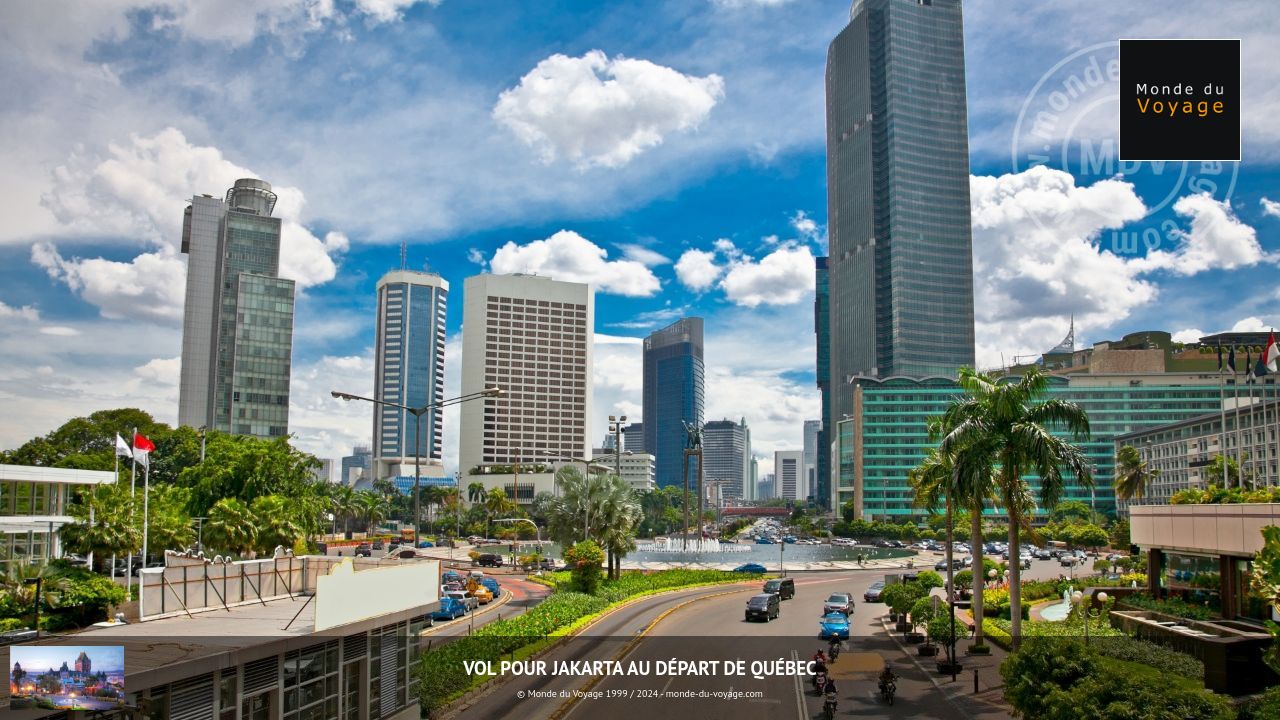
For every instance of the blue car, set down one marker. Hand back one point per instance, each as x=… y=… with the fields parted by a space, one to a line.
x=833 y=625
x=426 y=544
x=451 y=576
x=751 y=568
x=762 y=540
x=492 y=585
x=790 y=539
x=449 y=609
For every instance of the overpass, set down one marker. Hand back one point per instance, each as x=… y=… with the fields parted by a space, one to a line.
x=754 y=512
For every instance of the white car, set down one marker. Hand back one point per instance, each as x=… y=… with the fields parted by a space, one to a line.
x=469 y=601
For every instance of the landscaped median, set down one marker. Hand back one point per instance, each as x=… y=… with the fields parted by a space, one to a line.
x=442 y=676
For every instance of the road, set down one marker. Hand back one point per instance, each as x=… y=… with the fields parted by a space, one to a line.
x=708 y=624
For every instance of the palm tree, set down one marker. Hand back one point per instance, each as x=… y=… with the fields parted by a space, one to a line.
x=276 y=523
x=373 y=508
x=112 y=531
x=496 y=504
x=1006 y=427
x=342 y=503
x=476 y=493
x=231 y=526
x=620 y=515
x=1132 y=473
x=934 y=481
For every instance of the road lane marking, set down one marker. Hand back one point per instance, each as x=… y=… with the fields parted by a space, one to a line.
x=800 y=713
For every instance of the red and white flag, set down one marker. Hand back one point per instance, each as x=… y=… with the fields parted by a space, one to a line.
x=142 y=448
x=1270 y=353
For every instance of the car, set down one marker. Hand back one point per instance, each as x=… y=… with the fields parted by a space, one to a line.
x=450 y=609
x=480 y=593
x=764 y=605
x=451 y=576
x=1025 y=562
x=883 y=544
x=364 y=550
x=1068 y=560
x=956 y=564
x=1043 y=554
x=451 y=587
x=874 y=593
x=762 y=540
x=833 y=625
x=377 y=545
x=784 y=587
x=465 y=598
x=75 y=559
x=489 y=560
x=838 y=602
x=492 y=586
x=547 y=564
x=137 y=567
x=426 y=544
x=756 y=568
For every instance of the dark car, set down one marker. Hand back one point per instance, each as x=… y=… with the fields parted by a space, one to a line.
x=364 y=550
x=765 y=606
x=874 y=592
x=547 y=564
x=489 y=560
x=756 y=568
x=785 y=588
x=956 y=564
x=838 y=602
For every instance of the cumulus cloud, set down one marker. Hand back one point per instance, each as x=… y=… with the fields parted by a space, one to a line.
x=782 y=277
x=1249 y=324
x=59 y=331
x=384 y=11
x=26 y=312
x=644 y=255
x=596 y=111
x=1270 y=207
x=138 y=191
x=475 y=256
x=807 y=228
x=697 y=270
x=162 y=371
x=1189 y=335
x=1217 y=240
x=567 y=255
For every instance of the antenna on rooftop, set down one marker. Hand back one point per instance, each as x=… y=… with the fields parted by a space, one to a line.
x=404 y=254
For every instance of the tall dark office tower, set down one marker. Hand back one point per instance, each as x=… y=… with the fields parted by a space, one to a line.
x=726 y=445
x=673 y=379
x=901 y=263
x=822 y=328
x=237 y=324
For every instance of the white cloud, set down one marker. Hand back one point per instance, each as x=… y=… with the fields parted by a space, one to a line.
x=1217 y=240
x=782 y=277
x=161 y=371
x=1250 y=324
x=807 y=228
x=567 y=255
x=150 y=287
x=1270 y=207
x=697 y=270
x=1189 y=335
x=384 y=11
x=59 y=330
x=26 y=312
x=653 y=319
x=138 y=192
x=321 y=424
x=595 y=111
x=1038 y=260
x=475 y=256
x=645 y=256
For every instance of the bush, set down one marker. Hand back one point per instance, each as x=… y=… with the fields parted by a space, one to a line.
x=10 y=624
x=1171 y=606
x=1264 y=707
x=1148 y=653
x=901 y=596
x=1109 y=695
x=584 y=561
x=921 y=612
x=996 y=603
x=929 y=579
x=1042 y=666
x=940 y=628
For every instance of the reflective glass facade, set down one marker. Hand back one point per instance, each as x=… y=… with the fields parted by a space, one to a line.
x=900 y=264
x=893 y=414
x=409 y=367
x=673 y=395
x=822 y=328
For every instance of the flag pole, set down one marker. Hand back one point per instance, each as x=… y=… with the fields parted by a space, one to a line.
x=1222 y=420
x=133 y=487
x=146 y=516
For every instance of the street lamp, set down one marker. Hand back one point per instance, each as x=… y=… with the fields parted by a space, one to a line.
x=536 y=529
x=586 y=485
x=615 y=427
x=1087 y=611
x=417 y=435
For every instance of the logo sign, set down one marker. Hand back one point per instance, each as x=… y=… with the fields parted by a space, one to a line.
x=1180 y=100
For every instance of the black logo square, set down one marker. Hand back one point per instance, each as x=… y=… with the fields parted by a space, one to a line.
x=1180 y=100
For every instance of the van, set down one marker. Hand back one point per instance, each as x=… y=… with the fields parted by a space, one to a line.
x=765 y=606
x=784 y=588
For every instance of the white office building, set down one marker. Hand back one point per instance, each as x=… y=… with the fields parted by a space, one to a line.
x=639 y=470
x=33 y=507
x=531 y=337
x=788 y=471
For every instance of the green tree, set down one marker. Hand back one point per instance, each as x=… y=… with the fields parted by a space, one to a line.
x=619 y=517
x=342 y=503
x=1118 y=534
x=1132 y=474
x=169 y=526
x=1008 y=427
x=476 y=493
x=1043 y=665
x=1088 y=535
x=112 y=531
x=275 y=519
x=373 y=508
x=231 y=527
x=1071 y=511
x=1265 y=584
x=1214 y=471
x=584 y=561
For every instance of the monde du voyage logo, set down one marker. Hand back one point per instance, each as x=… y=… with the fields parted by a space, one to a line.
x=1180 y=100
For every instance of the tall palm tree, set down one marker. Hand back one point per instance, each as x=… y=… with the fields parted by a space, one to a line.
x=620 y=515
x=231 y=526
x=1132 y=474
x=342 y=503
x=373 y=508
x=1007 y=427
x=934 y=482
x=476 y=493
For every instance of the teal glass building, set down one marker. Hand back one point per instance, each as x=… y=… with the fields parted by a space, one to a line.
x=673 y=394
x=822 y=329
x=886 y=437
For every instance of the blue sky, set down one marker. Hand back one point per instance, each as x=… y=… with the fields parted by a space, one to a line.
x=671 y=153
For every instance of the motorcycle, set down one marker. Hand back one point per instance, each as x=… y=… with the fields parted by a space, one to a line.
x=819 y=680
x=887 y=689
x=834 y=650
x=829 y=707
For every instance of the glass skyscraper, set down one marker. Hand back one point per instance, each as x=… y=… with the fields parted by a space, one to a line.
x=409 y=364
x=822 y=328
x=673 y=394
x=237 y=332
x=726 y=445
x=900 y=266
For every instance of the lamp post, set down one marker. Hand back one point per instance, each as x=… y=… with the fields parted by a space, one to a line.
x=1087 y=611
x=417 y=450
x=615 y=427
x=586 y=486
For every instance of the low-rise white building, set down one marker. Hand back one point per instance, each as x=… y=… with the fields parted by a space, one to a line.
x=638 y=469
x=33 y=506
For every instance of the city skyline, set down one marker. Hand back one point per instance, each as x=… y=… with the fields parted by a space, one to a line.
x=105 y=658
x=706 y=199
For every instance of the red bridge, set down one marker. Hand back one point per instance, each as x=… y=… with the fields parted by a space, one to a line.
x=755 y=511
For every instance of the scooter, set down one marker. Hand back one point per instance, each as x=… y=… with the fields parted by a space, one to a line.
x=829 y=707
x=834 y=650
x=819 y=680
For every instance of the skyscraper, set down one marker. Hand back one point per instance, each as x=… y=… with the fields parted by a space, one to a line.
x=356 y=465
x=900 y=266
x=673 y=395
x=811 y=430
x=633 y=437
x=531 y=337
x=726 y=446
x=409 y=366
x=237 y=325
x=788 y=467
x=822 y=328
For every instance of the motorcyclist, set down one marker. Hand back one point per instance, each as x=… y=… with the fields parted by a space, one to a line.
x=887 y=676
x=828 y=687
x=833 y=647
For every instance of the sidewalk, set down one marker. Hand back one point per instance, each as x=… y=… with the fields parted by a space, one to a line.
x=988 y=703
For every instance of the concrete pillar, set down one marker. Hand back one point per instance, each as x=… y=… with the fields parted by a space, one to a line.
x=1155 y=568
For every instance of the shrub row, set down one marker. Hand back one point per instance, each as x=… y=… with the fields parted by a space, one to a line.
x=1170 y=606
